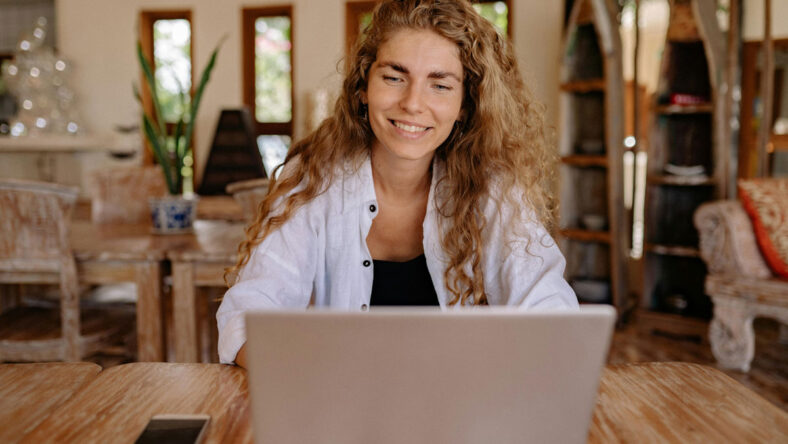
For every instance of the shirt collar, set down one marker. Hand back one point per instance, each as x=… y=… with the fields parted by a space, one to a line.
x=358 y=189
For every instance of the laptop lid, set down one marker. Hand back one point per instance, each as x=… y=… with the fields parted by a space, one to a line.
x=425 y=375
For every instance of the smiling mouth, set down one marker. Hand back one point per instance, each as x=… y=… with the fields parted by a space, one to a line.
x=409 y=128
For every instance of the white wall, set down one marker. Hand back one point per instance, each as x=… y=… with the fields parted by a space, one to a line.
x=99 y=37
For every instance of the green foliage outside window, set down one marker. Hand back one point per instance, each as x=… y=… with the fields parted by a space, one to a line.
x=363 y=21
x=273 y=83
x=496 y=12
x=172 y=61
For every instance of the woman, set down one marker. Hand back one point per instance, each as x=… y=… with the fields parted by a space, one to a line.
x=434 y=168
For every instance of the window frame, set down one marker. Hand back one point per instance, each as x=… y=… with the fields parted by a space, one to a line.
x=147 y=18
x=354 y=8
x=248 y=17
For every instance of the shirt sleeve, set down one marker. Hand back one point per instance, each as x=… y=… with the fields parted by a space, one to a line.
x=524 y=265
x=280 y=274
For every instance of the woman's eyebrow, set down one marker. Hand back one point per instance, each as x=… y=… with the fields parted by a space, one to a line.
x=432 y=75
x=395 y=66
x=443 y=75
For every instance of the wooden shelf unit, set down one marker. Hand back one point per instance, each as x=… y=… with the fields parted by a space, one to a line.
x=691 y=136
x=591 y=147
x=685 y=109
x=686 y=181
x=673 y=250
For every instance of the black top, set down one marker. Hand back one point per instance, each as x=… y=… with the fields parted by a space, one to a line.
x=402 y=283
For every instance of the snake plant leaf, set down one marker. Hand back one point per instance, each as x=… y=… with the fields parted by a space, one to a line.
x=150 y=80
x=160 y=152
x=169 y=149
x=194 y=106
x=136 y=91
x=180 y=149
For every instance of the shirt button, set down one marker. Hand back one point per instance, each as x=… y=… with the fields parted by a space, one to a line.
x=364 y=307
x=373 y=208
x=366 y=263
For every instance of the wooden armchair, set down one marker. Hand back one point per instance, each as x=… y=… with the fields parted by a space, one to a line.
x=35 y=249
x=739 y=282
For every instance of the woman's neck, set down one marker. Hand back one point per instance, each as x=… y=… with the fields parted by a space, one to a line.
x=400 y=179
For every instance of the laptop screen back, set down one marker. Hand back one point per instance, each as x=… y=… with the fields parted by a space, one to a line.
x=424 y=375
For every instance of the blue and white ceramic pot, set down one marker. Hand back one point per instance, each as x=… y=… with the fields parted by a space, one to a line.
x=173 y=214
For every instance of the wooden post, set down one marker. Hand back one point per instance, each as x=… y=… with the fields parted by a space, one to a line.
x=734 y=37
x=767 y=82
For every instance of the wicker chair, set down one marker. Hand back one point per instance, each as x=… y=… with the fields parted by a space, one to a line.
x=35 y=249
x=120 y=195
x=739 y=282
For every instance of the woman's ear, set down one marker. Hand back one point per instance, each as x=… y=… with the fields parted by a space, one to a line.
x=364 y=97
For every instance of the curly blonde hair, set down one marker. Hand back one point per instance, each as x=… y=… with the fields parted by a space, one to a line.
x=501 y=137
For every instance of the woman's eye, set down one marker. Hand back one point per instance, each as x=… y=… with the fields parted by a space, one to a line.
x=391 y=78
x=440 y=87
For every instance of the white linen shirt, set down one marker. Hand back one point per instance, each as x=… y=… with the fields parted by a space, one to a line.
x=321 y=253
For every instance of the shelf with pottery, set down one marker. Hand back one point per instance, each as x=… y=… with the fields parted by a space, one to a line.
x=592 y=231
x=669 y=109
x=685 y=168
x=673 y=250
x=697 y=180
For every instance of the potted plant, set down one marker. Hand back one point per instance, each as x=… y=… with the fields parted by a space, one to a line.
x=170 y=145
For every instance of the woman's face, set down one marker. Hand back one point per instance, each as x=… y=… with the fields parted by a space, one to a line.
x=414 y=94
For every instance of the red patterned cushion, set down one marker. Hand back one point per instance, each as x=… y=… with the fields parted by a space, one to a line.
x=766 y=201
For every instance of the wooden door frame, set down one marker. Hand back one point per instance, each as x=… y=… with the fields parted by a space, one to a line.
x=248 y=17
x=748 y=139
x=147 y=19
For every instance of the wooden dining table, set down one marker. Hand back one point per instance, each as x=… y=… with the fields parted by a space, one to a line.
x=644 y=402
x=201 y=263
x=29 y=392
x=112 y=253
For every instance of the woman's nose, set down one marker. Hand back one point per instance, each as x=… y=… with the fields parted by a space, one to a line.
x=412 y=100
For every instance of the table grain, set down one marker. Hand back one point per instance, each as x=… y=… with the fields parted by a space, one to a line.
x=117 y=405
x=29 y=392
x=681 y=402
x=644 y=402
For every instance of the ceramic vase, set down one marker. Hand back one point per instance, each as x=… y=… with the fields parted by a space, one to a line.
x=173 y=214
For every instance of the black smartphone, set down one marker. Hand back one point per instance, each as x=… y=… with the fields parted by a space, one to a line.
x=174 y=429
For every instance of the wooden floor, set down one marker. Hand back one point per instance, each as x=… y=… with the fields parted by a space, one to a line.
x=768 y=375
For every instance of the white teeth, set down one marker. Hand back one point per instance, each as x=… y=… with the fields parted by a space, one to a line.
x=410 y=128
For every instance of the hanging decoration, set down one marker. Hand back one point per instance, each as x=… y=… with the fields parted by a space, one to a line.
x=39 y=81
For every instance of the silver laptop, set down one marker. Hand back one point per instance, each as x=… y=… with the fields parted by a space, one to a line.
x=488 y=375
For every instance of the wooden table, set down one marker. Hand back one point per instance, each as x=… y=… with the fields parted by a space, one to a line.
x=199 y=264
x=29 y=392
x=110 y=253
x=681 y=402
x=116 y=406
x=653 y=402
